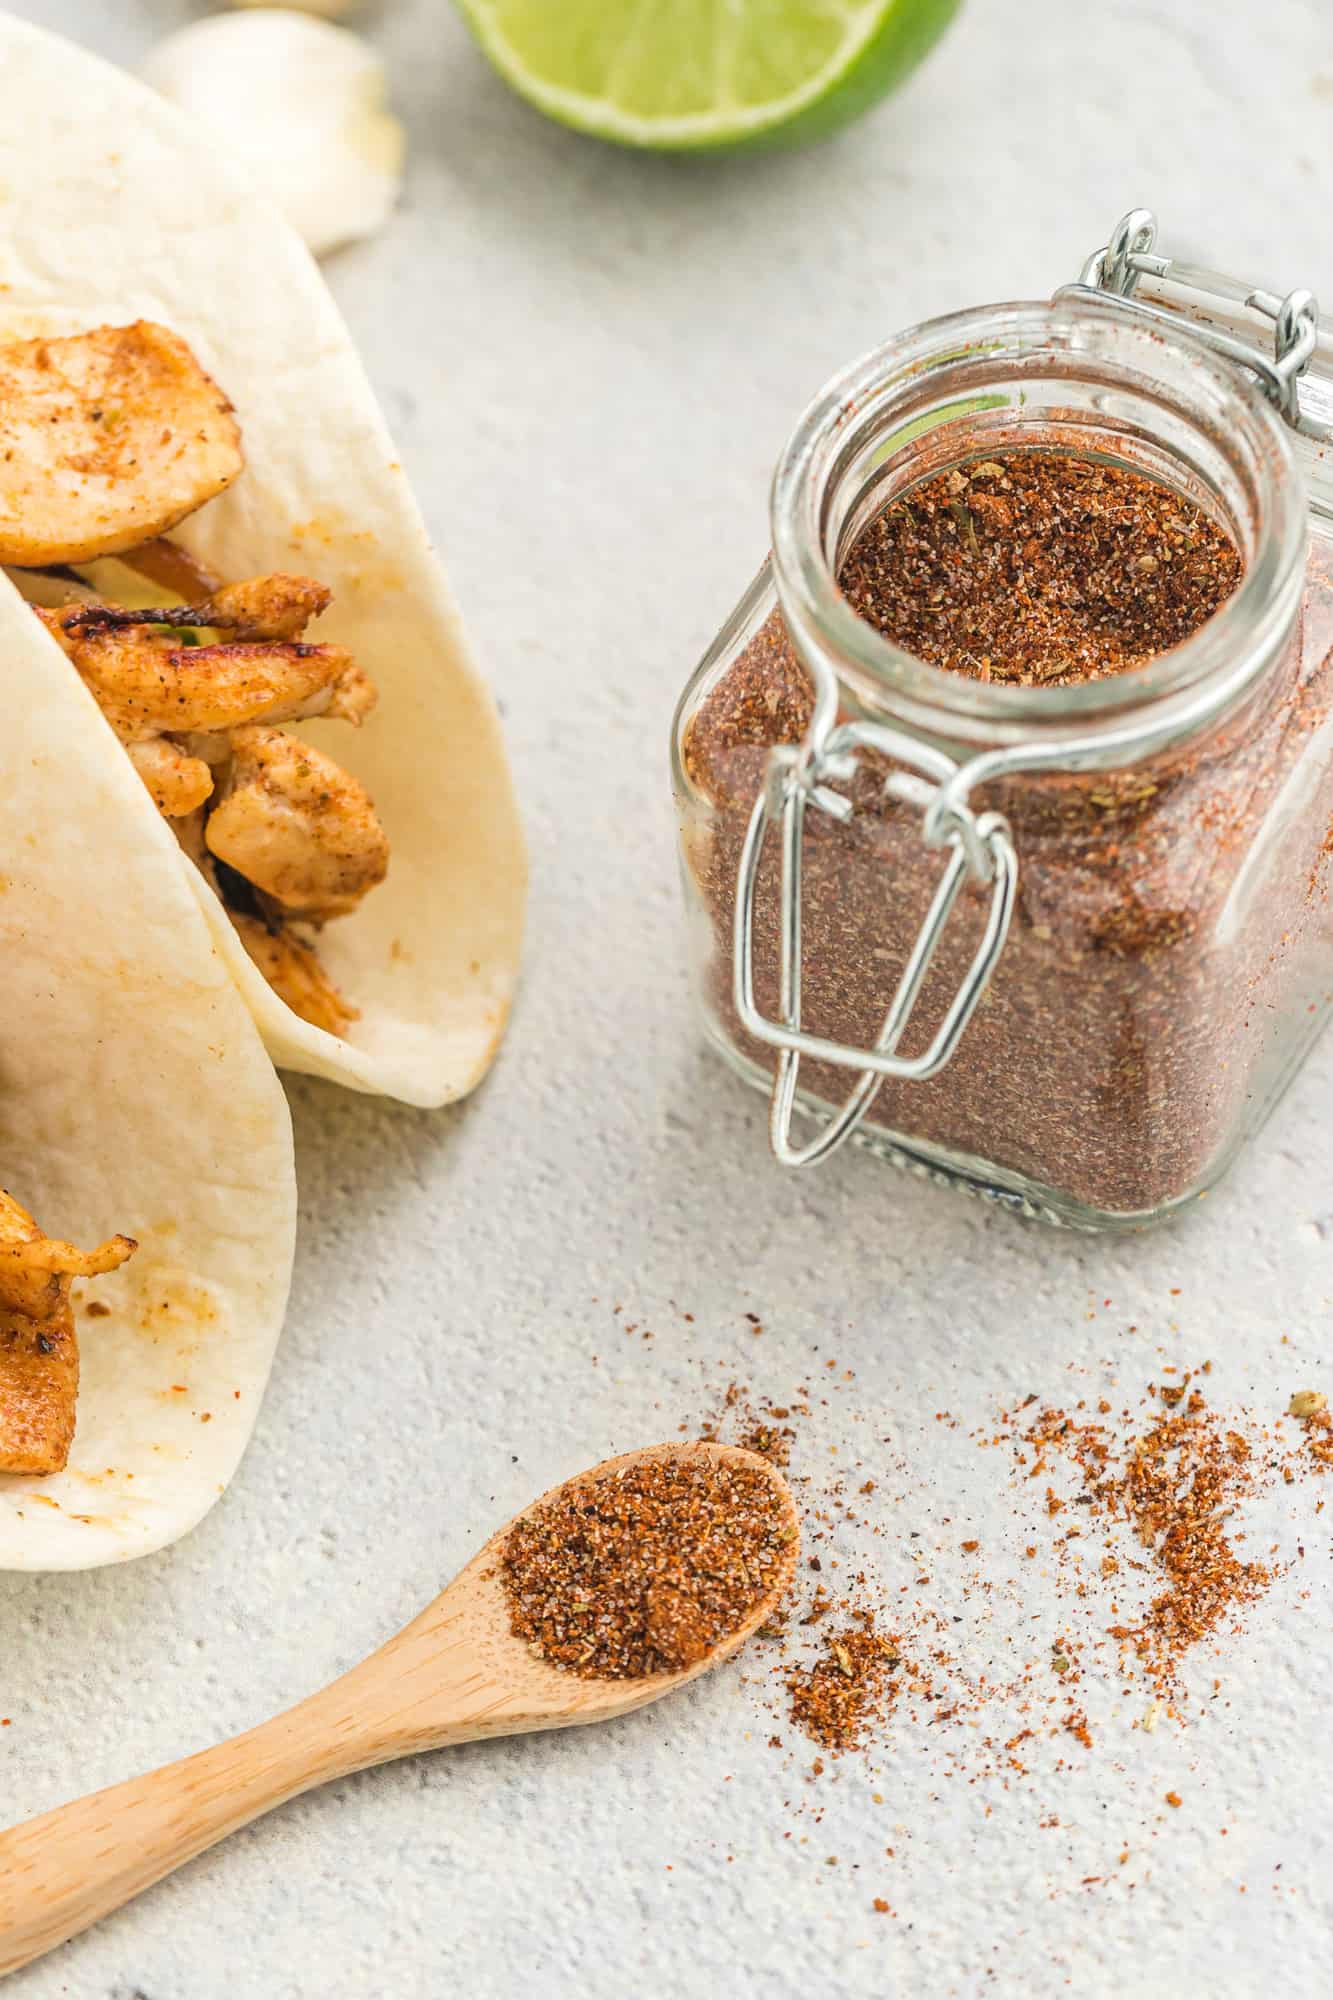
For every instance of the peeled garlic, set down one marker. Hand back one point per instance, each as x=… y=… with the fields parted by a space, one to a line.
x=299 y=107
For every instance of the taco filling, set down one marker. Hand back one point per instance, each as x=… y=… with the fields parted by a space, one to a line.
x=110 y=437
x=39 y=1355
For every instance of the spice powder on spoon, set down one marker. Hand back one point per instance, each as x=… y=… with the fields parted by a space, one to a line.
x=646 y=1569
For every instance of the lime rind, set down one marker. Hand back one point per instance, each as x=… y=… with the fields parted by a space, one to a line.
x=858 y=53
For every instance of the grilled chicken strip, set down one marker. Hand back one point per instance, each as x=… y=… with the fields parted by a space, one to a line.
x=39 y=1356
x=297 y=826
x=264 y=607
x=145 y=687
x=294 y=972
x=106 y=438
x=299 y=835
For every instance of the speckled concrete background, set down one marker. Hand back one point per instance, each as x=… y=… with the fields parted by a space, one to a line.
x=591 y=360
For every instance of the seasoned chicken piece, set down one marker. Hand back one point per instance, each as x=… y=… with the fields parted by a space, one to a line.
x=106 y=438
x=297 y=826
x=293 y=970
x=146 y=687
x=177 y=783
x=39 y=1391
x=39 y=1356
x=33 y=1267
x=264 y=607
x=298 y=835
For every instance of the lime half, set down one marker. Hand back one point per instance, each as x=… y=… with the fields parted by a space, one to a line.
x=696 y=74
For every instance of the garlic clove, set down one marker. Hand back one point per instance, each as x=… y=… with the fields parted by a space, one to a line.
x=331 y=10
x=299 y=106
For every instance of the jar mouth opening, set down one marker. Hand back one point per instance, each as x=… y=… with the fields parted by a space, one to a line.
x=1012 y=377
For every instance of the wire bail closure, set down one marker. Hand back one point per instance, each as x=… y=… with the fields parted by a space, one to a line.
x=1114 y=273
x=977 y=845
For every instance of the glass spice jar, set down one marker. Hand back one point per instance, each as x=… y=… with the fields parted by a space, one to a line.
x=1059 y=945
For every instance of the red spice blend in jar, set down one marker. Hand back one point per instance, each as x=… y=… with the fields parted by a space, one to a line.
x=1039 y=568
x=1136 y=1007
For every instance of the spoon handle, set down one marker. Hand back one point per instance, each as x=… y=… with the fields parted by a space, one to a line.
x=425 y=1689
x=61 y=1872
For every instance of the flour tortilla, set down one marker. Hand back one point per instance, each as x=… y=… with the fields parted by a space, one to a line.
x=135 y=1095
x=113 y=209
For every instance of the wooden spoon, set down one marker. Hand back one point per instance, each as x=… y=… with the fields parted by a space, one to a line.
x=455 y=1674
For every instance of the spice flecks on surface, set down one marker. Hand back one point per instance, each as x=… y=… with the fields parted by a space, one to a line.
x=849 y=1688
x=949 y=1642
x=1177 y=1480
x=1142 y=1563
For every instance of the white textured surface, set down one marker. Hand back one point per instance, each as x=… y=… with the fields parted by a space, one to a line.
x=590 y=361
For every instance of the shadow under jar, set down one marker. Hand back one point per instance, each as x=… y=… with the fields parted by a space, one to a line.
x=1060 y=944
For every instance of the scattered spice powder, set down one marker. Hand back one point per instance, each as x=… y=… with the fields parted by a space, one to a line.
x=1076 y=1722
x=764 y=1428
x=1310 y=1407
x=870 y=1655
x=1175 y=1477
x=768 y=1441
x=1124 y=1030
x=847 y=1688
x=646 y=1569
x=1176 y=1485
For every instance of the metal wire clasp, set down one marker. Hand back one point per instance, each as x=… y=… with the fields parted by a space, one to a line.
x=1129 y=255
x=978 y=845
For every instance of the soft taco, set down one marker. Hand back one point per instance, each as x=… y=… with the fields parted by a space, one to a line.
x=203 y=513
x=140 y=1118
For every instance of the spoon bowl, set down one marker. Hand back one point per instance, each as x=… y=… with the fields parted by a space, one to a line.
x=455 y=1674
x=480 y=1679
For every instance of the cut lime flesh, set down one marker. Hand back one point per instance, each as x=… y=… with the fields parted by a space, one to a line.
x=694 y=74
